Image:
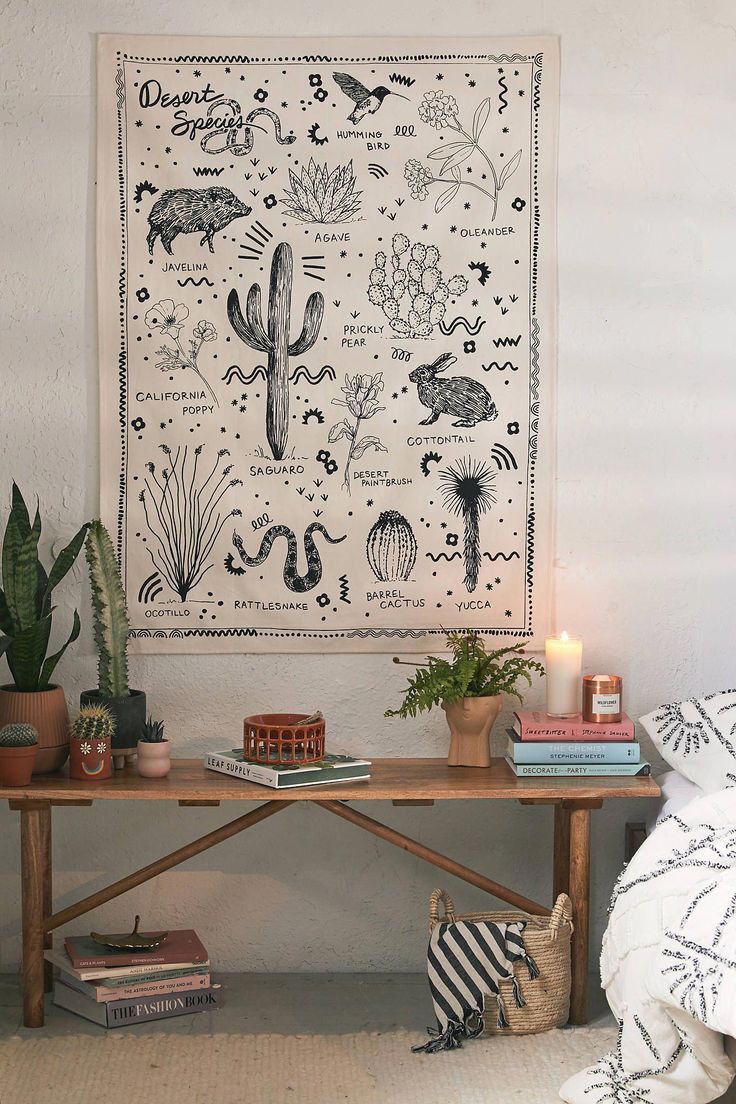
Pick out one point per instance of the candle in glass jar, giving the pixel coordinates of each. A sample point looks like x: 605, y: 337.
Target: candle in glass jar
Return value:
x: 564, y: 661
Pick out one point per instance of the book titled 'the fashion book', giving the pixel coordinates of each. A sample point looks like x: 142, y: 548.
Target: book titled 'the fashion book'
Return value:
x: 119, y: 1013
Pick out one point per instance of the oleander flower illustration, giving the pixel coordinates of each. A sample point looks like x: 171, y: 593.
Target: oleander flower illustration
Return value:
x: 361, y: 399
x: 440, y: 110
x: 168, y: 318
x: 418, y: 177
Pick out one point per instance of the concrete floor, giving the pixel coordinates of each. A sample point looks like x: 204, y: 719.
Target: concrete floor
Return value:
x: 284, y: 1004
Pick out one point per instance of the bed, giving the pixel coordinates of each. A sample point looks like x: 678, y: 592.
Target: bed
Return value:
x: 668, y: 962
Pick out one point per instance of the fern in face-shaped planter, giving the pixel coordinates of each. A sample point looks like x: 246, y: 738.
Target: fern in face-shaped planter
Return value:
x: 470, y: 688
x: 128, y: 707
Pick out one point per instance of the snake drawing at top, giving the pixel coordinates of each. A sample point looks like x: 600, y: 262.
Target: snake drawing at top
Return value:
x: 294, y: 581
x: 231, y: 145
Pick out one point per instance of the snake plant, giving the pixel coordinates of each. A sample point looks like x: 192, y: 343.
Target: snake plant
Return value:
x: 26, y: 611
x: 110, y: 612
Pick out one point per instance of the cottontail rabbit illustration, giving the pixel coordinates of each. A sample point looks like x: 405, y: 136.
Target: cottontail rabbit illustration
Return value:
x: 459, y: 396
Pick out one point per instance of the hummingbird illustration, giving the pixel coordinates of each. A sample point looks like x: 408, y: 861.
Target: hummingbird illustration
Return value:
x: 366, y: 103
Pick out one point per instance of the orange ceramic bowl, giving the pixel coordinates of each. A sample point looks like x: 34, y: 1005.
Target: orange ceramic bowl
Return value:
x: 277, y: 739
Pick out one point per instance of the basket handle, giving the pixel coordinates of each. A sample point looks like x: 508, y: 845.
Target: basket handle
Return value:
x: 447, y: 903
x: 561, y: 914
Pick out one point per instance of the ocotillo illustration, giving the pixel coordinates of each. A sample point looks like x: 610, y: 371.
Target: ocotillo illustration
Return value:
x: 274, y: 339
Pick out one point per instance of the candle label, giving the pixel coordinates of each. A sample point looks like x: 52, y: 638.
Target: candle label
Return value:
x: 606, y: 703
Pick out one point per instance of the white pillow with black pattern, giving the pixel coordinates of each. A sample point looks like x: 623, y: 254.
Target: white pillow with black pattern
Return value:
x: 698, y: 738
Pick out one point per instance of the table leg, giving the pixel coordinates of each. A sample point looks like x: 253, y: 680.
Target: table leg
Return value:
x: 561, y: 867
x: 579, y: 891
x: 35, y: 837
x: 48, y: 900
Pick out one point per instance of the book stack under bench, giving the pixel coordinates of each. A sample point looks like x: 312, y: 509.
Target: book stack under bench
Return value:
x: 540, y: 744
x: 117, y: 988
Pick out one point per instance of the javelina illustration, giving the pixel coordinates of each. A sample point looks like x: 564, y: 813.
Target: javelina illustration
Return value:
x: 459, y: 396
x: 192, y: 210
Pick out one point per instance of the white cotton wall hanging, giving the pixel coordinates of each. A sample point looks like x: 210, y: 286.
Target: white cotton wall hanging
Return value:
x: 327, y: 338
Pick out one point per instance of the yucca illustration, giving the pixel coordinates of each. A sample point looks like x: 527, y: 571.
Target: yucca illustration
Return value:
x: 319, y: 195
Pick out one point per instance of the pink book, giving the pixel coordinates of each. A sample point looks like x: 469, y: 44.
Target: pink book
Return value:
x: 532, y: 725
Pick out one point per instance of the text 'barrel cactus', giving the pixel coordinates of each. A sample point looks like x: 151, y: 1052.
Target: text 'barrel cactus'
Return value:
x: 273, y: 339
x: 110, y: 612
x: 18, y: 735
x: 391, y: 547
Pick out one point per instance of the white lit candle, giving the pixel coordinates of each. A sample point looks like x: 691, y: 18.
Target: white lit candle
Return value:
x: 564, y: 661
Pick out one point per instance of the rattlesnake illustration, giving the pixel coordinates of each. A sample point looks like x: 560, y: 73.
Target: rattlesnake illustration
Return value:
x: 294, y: 581
x: 239, y: 149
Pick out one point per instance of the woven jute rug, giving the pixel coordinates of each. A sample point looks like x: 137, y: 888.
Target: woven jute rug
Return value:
x: 367, y: 1068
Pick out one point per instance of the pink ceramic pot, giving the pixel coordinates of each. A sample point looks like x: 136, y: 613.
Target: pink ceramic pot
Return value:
x: 154, y: 760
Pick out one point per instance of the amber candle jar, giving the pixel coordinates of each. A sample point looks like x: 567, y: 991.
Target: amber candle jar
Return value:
x: 602, y: 699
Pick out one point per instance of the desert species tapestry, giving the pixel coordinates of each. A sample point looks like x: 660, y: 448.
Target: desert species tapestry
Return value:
x: 326, y: 298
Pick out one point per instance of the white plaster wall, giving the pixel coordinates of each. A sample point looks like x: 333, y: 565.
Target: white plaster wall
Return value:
x: 646, y: 455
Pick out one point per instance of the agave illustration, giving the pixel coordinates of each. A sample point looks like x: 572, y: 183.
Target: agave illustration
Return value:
x: 322, y: 196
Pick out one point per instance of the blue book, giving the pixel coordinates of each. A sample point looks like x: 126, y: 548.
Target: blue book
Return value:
x: 570, y: 754
x: 583, y: 770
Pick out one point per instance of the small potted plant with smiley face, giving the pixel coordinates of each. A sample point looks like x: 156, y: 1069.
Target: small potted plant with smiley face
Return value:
x: 91, y: 744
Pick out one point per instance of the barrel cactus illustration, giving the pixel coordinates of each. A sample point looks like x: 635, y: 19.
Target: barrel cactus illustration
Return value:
x: 18, y: 735
x: 412, y: 292
x: 391, y: 547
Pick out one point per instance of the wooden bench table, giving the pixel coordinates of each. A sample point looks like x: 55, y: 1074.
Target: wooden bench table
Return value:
x: 401, y: 781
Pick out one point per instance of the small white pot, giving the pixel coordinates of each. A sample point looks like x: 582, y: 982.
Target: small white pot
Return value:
x: 154, y: 760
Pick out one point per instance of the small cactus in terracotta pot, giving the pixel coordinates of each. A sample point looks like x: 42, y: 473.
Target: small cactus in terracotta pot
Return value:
x: 154, y: 750
x: 91, y: 744
x: 18, y: 747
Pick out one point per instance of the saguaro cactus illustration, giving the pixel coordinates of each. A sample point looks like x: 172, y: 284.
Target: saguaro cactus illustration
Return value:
x: 274, y: 339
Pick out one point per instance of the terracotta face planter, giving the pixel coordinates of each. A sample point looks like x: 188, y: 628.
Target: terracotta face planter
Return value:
x: 16, y: 765
x: 154, y: 760
x: 471, y: 721
x: 91, y: 759
x: 130, y: 716
x: 46, y: 710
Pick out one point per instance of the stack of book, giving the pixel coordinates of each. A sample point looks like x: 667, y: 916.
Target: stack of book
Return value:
x: 329, y: 769
x: 116, y: 988
x: 539, y: 744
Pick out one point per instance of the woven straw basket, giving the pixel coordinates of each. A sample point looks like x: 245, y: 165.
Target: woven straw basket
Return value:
x: 547, y: 940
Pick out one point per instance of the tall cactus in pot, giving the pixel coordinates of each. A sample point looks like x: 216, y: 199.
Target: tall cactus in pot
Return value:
x: 128, y: 707
x: 273, y: 339
x: 110, y: 613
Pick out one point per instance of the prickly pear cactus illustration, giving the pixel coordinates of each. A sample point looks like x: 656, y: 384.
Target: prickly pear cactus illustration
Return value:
x: 411, y: 290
